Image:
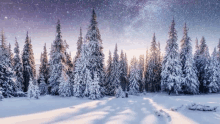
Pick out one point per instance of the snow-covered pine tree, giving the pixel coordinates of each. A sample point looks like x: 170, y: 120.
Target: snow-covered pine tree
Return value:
x: 69, y: 63
x: 153, y: 70
x: 18, y: 68
x: 134, y: 77
x: 65, y: 88
x: 171, y: 68
x: 28, y: 61
x: 11, y: 56
x: 82, y: 77
x: 108, y: 73
x: 80, y: 64
x: 33, y: 90
x: 78, y: 87
x: 58, y: 65
x: 42, y: 85
x: 196, y: 56
x: 146, y: 73
x: 87, y: 84
x: 214, y: 70
x: 5, y: 56
x: 126, y: 71
x: 123, y: 74
x: 7, y: 81
x: 94, y: 88
x: 141, y: 72
x: 79, y: 45
x: 37, y: 91
x: 116, y: 71
x: 96, y: 56
x: 50, y: 67
x: 202, y: 66
x: 44, y: 67
x: 190, y: 84
x: 159, y: 67
x: 6, y: 74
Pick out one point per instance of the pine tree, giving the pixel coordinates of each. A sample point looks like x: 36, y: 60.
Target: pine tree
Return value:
x: 82, y: 77
x: 159, y: 67
x: 77, y: 87
x: 126, y: 71
x: 95, y: 88
x: 65, y: 88
x: 87, y: 83
x: 6, y: 55
x: 202, y: 64
x: 7, y: 84
x: 171, y: 68
x: 96, y: 56
x: 134, y: 77
x: 196, y: 57
x: 214, y: 70
x: 44, y: 67
x: 153, y: 63
x: 33, y: 90
x: 42, y: 85
x: 79, y: 45
x: 146, y: 73
x: 141, y: 72
x: 28, y: 61
x: 70, y: 68
x: 123, y: 74
x: 58, y: 65
x: 11, y: 56
x: 18, y: 68
x: 190, y: 84
x: 108, y: 74
x: 116, y: 71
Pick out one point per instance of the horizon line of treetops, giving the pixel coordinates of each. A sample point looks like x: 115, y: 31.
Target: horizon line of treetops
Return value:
x: 178, y: 71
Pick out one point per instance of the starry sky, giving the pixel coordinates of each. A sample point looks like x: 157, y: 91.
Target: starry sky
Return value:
x: 129, y: 23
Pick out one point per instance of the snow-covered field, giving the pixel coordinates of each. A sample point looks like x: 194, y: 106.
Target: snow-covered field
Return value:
x: 143, y: 109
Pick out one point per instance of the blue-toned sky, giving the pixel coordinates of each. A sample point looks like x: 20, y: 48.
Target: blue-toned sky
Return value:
x: 129, y: 23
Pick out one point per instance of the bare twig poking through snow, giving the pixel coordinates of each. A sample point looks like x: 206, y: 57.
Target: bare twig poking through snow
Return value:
x: 176, y: 108
x: 199, y: 107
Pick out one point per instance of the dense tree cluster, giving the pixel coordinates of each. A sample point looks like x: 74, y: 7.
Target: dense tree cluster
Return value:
x: 178, y: 71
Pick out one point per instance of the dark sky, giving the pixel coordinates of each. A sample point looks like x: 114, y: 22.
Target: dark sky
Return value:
x: 130, y: 23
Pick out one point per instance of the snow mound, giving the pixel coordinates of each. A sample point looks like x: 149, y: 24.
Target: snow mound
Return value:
x: 162, y: 113
x: 199, y: 107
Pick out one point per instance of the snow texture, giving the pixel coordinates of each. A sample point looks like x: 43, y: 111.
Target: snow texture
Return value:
x: 134, y: 109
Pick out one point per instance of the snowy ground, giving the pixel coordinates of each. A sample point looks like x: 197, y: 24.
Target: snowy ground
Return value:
x: 109, y: 110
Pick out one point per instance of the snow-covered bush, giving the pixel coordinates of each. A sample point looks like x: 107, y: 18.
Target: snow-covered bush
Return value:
x: 20, y: 94
x: 119, y: 92
x: 65, y: 89
x: 33, y: 90
x: 199, y: 107
x: 42, y: 86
